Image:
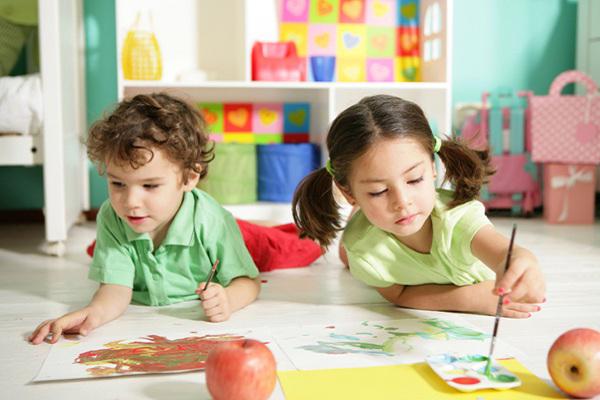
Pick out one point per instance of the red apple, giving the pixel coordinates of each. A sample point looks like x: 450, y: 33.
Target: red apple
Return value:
x: 240, y: 370
x: 574, y: 362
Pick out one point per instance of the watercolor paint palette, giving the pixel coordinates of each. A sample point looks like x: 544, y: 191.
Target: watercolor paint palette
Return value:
x: 467, y: 372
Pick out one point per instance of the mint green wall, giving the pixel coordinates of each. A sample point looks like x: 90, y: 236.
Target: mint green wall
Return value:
x: 101, y: 75
x: 521, y: 44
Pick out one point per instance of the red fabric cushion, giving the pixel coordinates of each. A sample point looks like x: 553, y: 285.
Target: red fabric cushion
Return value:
x: 278, y: 247
x: 272, y: 247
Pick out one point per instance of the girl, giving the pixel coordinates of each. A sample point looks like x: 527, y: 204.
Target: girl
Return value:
x: 418, y: 246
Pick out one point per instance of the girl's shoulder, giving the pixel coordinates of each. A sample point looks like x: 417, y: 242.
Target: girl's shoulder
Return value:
x: 457, y: 224
x: 358, y: 230
x: 445, y: 196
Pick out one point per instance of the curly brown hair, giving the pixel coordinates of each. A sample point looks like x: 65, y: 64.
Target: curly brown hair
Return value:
x: 153, y: 121
x: 352, y: 133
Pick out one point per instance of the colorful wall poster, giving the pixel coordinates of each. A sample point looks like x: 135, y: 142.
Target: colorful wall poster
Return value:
x: 370, y: 40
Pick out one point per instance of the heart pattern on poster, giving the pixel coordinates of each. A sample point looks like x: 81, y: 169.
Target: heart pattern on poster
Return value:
x: 352, y: 8
x: 322, y: 40
x: 350, y: 40
x: 298, y: 117
x: 266, y: 116
x: 210, y: 117
x: 296, y: 7
x: 324, y: 8
x: 238, y: 117
x: 380, y: 9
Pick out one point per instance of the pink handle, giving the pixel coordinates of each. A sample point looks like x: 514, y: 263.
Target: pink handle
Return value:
x: 572, y: 76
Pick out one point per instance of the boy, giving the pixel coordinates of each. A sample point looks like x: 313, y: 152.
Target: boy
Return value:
x: 158, y: 236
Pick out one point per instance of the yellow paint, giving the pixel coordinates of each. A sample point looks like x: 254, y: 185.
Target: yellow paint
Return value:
x: 412, y: 381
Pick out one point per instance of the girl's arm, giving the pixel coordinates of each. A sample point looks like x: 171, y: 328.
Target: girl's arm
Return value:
x: 523, y: 280
x: 476, y: 298
x: 108, y: 303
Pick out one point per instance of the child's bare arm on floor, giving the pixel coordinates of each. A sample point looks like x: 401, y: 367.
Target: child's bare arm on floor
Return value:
x: 108, y: 303
x: 476, y: 298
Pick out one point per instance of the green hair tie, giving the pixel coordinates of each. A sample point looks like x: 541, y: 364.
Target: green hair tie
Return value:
x: 437, y: 145
x: 329, y: 168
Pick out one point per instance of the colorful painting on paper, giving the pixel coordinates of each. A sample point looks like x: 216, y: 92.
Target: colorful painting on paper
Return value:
x: 145, y: 355
x: 380, y: 343
x: 363, y: 36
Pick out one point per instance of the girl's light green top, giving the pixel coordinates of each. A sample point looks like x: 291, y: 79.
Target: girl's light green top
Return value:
x: 379, y: 259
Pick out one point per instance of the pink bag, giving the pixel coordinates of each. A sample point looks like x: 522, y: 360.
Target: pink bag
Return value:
x: 566, y: 129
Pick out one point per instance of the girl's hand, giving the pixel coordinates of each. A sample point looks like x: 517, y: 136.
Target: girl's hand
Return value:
x: 215, y: 302
x: 523, y: 282
x: 516, y: 310
x: 81, y: 321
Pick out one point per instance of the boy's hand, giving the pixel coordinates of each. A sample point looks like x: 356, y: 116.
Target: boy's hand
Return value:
x: 214, y: 302
x: 523, y: 282
x: 81, y: 321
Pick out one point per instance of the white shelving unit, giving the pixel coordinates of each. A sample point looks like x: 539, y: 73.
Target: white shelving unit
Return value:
x: 59, y: 147
x: 217, y: 37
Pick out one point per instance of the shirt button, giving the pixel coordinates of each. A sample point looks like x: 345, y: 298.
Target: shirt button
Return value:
x: 156, y: 277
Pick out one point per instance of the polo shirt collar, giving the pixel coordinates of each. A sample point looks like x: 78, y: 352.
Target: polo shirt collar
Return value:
x: 181, y: 229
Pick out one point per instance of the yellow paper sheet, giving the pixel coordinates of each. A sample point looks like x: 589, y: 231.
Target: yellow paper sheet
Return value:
x: 410, y: 381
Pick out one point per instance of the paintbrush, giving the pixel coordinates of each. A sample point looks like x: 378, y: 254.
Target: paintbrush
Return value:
x: 488, y: 365
x: 211, y: 275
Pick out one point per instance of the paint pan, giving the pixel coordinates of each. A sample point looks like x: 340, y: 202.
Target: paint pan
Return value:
x: 467, y: 372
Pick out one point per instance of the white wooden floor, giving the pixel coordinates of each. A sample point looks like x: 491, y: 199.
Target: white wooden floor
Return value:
x: 34, y: 287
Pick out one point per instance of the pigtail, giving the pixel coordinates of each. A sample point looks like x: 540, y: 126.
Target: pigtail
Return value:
x: 315, y: 210
x: 467, y: 169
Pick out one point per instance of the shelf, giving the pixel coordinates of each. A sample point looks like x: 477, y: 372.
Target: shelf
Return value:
x: 288, y: 85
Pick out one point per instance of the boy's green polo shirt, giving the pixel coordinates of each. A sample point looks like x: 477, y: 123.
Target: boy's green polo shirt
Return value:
x: 201, y: 232
x: 379, y: 259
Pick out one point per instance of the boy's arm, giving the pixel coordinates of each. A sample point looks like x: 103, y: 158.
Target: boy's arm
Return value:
x: 476, y: 298
x: 108, y: 303
x: 241, y: 292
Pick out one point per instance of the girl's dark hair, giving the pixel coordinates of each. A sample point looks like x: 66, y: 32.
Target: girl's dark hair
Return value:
x: 315, y: 210
x: 140, y: 124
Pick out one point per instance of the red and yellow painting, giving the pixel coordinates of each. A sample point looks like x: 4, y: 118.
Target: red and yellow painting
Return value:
x: 149, y: 354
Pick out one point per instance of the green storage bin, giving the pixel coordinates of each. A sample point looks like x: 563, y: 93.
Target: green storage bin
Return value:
x: 231, y: 175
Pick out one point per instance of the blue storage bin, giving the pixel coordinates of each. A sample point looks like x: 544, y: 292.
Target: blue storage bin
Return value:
x: 282, y: 166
